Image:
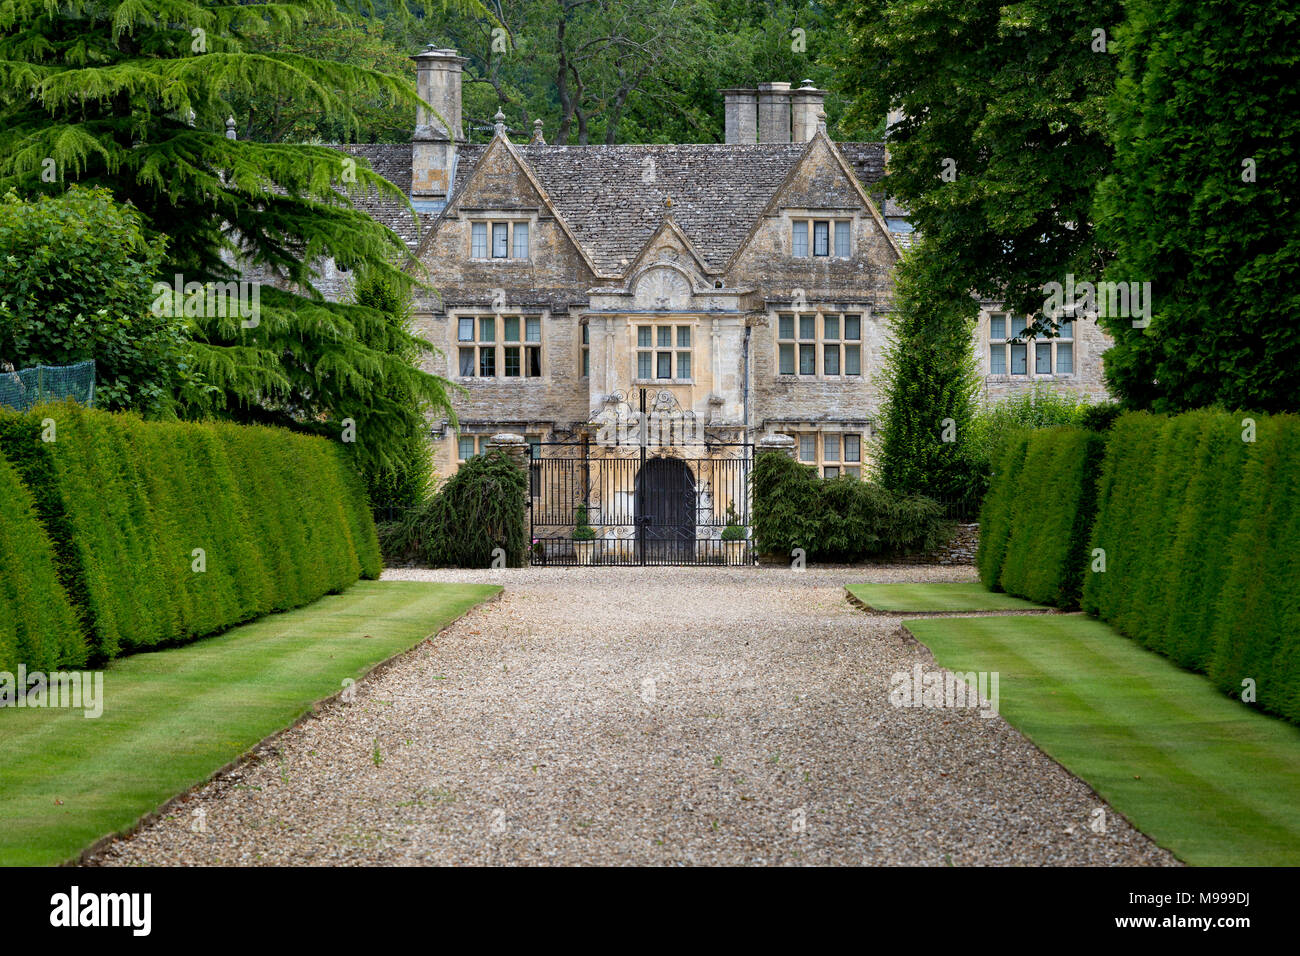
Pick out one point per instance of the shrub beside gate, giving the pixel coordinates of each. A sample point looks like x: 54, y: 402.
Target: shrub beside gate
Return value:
x: 482, y: 507
x: 837, y: 519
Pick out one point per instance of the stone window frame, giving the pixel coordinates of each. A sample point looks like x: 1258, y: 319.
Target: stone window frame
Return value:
x: 831, y: 460
x: 531, y: 356
x: 1011, y: 325
x: 834, y: 220
x: 512, y: 224
x: 584, y: 349
x: 674, y: 349
x: 821, y: 343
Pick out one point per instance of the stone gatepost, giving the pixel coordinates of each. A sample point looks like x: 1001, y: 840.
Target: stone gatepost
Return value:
x: 513, y: 445
x: 780, y: 443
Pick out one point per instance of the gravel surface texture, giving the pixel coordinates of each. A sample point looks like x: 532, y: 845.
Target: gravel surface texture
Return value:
x: 649, y: 716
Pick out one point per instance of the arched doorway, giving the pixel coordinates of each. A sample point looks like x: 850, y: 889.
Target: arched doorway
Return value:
x: 665, y: 510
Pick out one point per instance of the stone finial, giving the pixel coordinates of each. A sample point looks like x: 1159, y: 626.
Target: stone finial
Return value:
x: 821, y: 121
x: 230, y: 128
x: 778, y: 443
x: 538, y: 139
x: 500, y: 121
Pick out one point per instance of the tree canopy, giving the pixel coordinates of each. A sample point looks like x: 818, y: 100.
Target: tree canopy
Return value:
x: 1201, y: 203
x: 132, y: 96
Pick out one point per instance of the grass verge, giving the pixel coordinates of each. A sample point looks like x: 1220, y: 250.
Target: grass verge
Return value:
x: 933, y: 597
x: 1200, y: 773
x: 173, y: 717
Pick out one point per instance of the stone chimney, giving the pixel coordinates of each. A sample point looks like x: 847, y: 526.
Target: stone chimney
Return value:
x: 774, y: 112
x: 433, y: 147
x: 806, y: 102
x: 741, y: 115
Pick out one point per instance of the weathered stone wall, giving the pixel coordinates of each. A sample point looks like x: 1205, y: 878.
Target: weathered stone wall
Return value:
x: 559, y: 284
x: 551, y: 284
x: 960, y: 549
x: 861, y: 284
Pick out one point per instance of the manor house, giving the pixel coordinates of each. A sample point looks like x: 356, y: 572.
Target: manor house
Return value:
x: 749, y: 280
x: 744, y: 286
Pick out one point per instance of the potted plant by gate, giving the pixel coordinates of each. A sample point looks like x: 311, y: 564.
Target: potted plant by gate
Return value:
x: 734, y: 537
x: 584, y: 537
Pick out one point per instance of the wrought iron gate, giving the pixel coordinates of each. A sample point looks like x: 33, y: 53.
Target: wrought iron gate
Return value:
x: 646, y: 503
x: 645, y: 506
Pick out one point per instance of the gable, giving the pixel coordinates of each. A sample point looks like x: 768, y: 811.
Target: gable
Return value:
x: 498, y: 182
x: 669, y: 243
x: 818, y: 182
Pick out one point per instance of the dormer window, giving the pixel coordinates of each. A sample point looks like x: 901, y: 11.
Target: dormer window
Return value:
x: 821, y: 238
x: 498, y: 240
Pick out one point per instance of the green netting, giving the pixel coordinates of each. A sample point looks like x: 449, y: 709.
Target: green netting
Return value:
x: 48, y: 383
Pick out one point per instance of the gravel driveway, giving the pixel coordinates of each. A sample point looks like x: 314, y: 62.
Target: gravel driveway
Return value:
x: 648, y: 716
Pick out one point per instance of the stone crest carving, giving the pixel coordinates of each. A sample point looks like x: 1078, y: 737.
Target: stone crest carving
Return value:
x: 662, y: 288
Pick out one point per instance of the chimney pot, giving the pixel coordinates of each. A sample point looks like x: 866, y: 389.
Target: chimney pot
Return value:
x: 806, y: 103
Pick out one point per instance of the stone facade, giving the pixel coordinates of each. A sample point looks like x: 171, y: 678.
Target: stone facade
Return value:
x: 748, y: 284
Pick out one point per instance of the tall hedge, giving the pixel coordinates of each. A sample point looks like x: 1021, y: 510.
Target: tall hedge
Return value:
x: 837, y: 519
x: 278, y: 517
x: 1049, y: 506
x: 38, y: 626
x: 1256, y: 628
x: 1005, y: 463
x: 1201, y: 532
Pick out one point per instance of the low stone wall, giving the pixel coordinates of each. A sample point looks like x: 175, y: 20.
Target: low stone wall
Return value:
x: 960, y: 549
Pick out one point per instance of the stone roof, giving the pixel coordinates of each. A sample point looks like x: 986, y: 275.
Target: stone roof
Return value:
x: 614, y: 197
x: 393, y: 162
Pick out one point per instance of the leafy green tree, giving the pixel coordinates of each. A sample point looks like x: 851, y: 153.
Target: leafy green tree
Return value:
x: 132, y: 96
x: 408, y: 477
x: 997, y: 143
x: 929, y: 382
x: 1002, y: 137
x: 276, y: 116
x: 634, y: 71
x: 1202, y: 205
x: 75, y: 274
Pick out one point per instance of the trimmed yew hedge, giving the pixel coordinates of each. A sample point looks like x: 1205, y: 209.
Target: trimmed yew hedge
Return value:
x: 280, y: 518
x: 1036, y: 519
x: 1201, y: 533
x: 1005, y: 464
x: 38, y: 627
